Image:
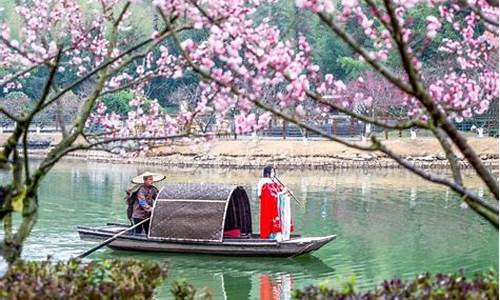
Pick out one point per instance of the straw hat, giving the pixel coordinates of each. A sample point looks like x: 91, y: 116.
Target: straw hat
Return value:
x: 140, y: 178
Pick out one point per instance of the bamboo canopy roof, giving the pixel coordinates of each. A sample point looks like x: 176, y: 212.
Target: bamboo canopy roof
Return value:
x: 200, y: 212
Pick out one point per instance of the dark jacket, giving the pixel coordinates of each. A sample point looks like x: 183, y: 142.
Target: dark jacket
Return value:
x: 147, y: 193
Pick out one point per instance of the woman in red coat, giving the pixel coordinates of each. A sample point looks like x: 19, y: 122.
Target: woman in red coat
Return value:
x: 268, y: 190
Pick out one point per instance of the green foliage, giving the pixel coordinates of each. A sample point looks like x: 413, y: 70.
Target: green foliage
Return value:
x: 109, y: 279
x: 352, y: 67
x: 183, y: 290
x: 118, y: 102
x: 426, y: 286
x: 34, y: 84
x: 16, y: 95
x: 328, y: 50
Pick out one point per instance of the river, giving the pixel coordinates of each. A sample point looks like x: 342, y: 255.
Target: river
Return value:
x: 388, y: 223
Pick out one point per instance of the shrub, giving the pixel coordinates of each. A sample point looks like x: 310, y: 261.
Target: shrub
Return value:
x: 426, y: 286
x: 181, y: 290
x: 15, y: 103
x: 108, y: 279
x: 118, y: 102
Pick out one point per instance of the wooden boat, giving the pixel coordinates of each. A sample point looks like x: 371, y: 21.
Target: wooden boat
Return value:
x: 192, y: 218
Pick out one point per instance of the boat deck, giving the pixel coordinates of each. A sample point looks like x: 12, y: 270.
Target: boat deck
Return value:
x: 251, y: 245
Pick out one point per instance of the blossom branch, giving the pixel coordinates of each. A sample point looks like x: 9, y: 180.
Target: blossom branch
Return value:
x: 266, y: 107
x: 163, y: 34
x: 481, y: 14
x: 58, y: 152
x: 319, y: 99
x: 328, y: 20
x: 486, y: 210
x: 438, y: 116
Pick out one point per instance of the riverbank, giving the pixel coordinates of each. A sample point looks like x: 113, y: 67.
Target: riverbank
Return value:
x: 294, y: 154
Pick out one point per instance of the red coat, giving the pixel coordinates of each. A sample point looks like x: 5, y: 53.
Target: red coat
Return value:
x: 269, y: 215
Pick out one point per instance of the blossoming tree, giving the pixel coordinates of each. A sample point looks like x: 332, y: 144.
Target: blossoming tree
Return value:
x: 239, y: 56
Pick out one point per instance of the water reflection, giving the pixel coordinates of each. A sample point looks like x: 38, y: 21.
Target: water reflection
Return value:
x: 235, y: 277
x: 275, y: 288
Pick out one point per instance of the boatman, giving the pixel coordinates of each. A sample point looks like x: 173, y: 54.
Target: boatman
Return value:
x: 144, y: 197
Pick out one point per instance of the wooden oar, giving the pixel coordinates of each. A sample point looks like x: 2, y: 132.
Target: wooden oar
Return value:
x: 289, y: 191
x: 88, y: 252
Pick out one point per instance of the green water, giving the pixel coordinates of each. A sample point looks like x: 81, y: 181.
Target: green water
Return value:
x: 388, y: 223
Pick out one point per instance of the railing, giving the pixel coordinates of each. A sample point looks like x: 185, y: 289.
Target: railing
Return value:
x: 342, y: 126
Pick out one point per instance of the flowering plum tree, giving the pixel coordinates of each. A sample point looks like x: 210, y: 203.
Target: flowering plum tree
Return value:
x: 239, y: 56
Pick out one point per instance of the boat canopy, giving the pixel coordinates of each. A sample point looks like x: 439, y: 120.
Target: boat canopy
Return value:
x: 199, y: 212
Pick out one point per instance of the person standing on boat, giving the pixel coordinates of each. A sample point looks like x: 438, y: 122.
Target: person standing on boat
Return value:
x: 144, y: 199
x: 274, y: 220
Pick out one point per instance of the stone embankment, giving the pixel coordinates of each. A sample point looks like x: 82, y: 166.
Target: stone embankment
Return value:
x: 282, y: 161
x: 293, y: 154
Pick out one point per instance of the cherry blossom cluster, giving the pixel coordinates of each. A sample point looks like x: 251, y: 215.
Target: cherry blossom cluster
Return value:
x: 245, y: 55
x: 251, y: 61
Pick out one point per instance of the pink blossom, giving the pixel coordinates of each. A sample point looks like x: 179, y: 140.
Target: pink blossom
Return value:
x: 433, y: 26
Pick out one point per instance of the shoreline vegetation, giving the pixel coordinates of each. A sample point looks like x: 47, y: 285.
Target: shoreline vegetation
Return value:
x: 255, y: 153
x: 131, y: 279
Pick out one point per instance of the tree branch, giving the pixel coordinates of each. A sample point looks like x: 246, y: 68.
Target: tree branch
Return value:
x: 9, y: 115
x: 450, y: 155
x: 319, y: 99
x: 46, y: 89
x: 480, y: 13
x: 276, y: 112
x: 486, y: 210
x: 437, y: 115
x: 10, y: 144
x: 79, y: 122
x: 399, y: 126
x: 327, y: 19
x: 107, y: 63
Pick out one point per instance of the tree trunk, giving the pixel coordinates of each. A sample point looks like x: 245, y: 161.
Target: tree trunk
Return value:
x: 284, y: 129
x: 60, y: 118
x: 386, y: 131
x: 12, y: 244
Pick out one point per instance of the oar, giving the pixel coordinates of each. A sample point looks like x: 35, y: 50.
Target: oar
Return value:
x: 289, y: 191
x: 86, y: 253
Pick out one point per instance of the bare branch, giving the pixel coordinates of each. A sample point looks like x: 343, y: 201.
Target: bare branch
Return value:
x: 25, y: 155
x: 488, y: 211
x: 46, y: 89
x: 9, y: 115
x: 328, y: 20
x: 10, y: 144
x: 450, y: 155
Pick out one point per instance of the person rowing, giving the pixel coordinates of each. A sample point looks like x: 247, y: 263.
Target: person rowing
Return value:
x: 140, y: 199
